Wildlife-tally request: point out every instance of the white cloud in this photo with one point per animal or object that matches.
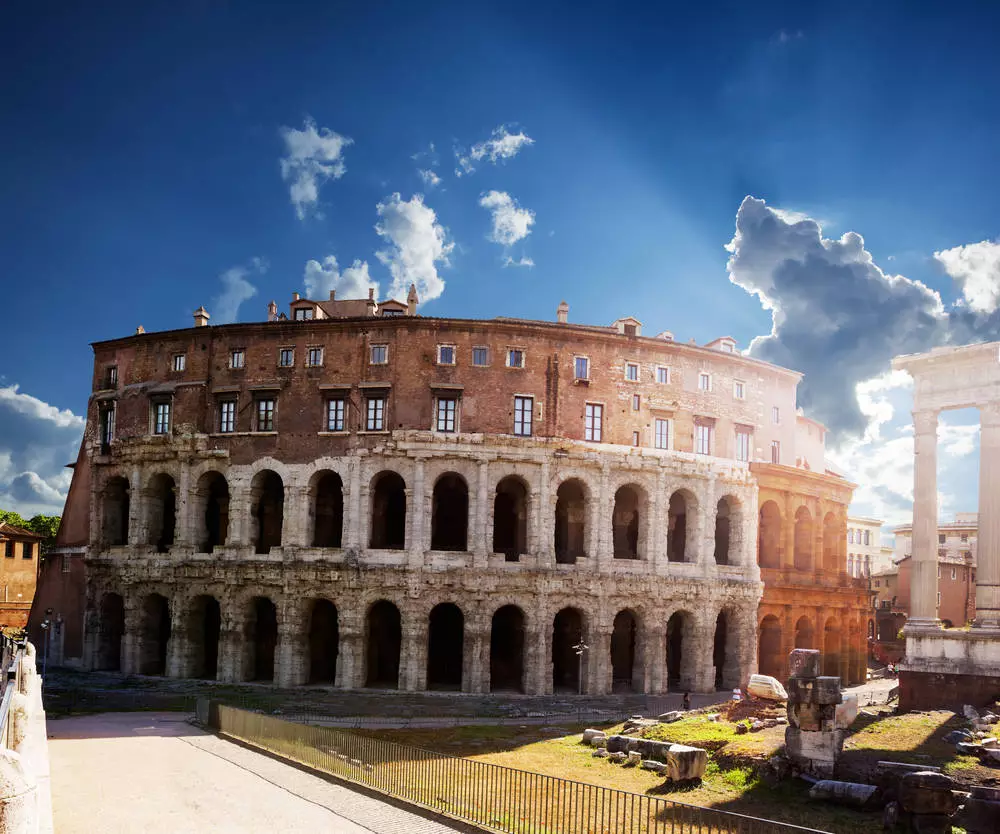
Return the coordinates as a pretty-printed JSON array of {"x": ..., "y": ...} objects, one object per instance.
[
  {"x": 235, "y": 290},
  {"x": 323, "y": 276},
  {"x": 429, "y": 177},
  {"x": 33, "y": 408},
  {"x": 524, "y": 260},
  {"x": 501, "y": 146},
  {"x": 418, "y": 245},
  {"x": 311, "y": 158},
  {"x": 511, "y": 223},
  {"x": 976, "y": 267}
]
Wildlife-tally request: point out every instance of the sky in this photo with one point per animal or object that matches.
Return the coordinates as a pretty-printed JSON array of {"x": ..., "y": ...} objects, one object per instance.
[{"x": 816, "y": 180}]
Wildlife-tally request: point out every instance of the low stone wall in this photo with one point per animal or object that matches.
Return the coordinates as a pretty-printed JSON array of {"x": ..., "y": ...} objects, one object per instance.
[{"x": 948, "y": 668}]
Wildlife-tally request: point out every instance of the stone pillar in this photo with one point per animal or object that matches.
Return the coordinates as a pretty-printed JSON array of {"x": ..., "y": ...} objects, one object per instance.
[
  {"x": 544, "y": 521},
  {"x": 657, "y": 538},
  {"x": 923, "y": 583},
  {"x": 295, "y": 532},
  {"x": 136, "y": 506},
  {"x": 179, "y": 643},
  {"x": 232, "y": 640},
  {"x": 291, "y": 654},
  {"x": 537, "y": 667},
  {"x": 600, "y": 661},
  {"x": 600, "y": 517},
  {"x": 352, "y": 505},
  {"x": 482, "y": 542},
  {"x": 656, "y": 654},
  {"x": 238, "y": 534},
  {"x": 788, "y": 533},
  {"x": 131, "y": 642},
  {"x": 416, "y": 511},
  {"x": 988, "y": 556},
  {"x": 350, "y": 660},
  {"x": 476, "y": 649},
  {"x": 184, "y": 535},
  {"x": 413, "y": 652},
  {"x": 787, "y": 636},
  {"x": 700, "y": 671},
  {"x": 819, "y": 540}
]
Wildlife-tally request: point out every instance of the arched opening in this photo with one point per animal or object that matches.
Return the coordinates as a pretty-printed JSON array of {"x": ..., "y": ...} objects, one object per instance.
[
  {"x": 262, "y": 640},
  {"x": 831, "y": 648},
  {"x": 679, "y": 633},
  {"x": 328, "y": 509},
  {"x": 804, "y": 634},
  {"x": 161, "y": 512},
  {"x": 154, "y": 635},
  {"x": 324, "y": 642},
  {"x": 833, "y": 535},
  {"x": 507, "y": 650},
  {"x": 567, "y": 633},
  {"x": 769, "y": 538},
  {"x": 625, "y": 523},
  {"x": 450, "y": 513},
  {"x": 803, "y": 539},
  {"x": 623, "y": 646},
  {"x": 510, "y": 518},
  {"x": 724, "y": 654},
  {"x": 114, "y": 512},
  {"x": 212, "y": 503},
  {"x": 769, "y": 659},
  {"x": 571, "y": 516},
  {"x": 112, "y": 627},
  {"x": 680, "y": 507},
  {"x": 445, "y": 639},
  {"x": 267, "y": 497},
  {"x": 204, "y": 627},
  {"x": 388, "y": 518},
  {"x": 385, "y": 640},
  {"x": 722, "y": 521}
]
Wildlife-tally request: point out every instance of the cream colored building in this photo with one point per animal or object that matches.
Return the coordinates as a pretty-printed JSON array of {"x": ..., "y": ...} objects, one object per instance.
[
  {"x": 864, "y": 546},
  {"x": 956, "y": 540}
]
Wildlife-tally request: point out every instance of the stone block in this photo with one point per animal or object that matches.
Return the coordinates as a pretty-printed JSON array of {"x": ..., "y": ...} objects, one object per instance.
[
  {"x": 812, "y": 717},
  {"x": 655, "y": 766},
  {"x": 634, "y": 758},
  {"x": 590, "y": 735},
  {"x": 815, "y": 751},
  {"x": 670, "y": 717},
  {"x": 827, "y": 690},
  {"x": 617, "y": 757},
  {"x": 851, "y": 794},
  {"x": 684, "y": 762},
  {"x": 927, "y": 792},
  {"x": 800, "y": 690},
  {"x": 764, "y": 686},
  {"x": 845, "y": 712},
  {"x": 804, "y": 663},
  {"x": 980, "y": 816},
  {"x": 618, "y": 744},
  {"x": 600, "y": 753}
]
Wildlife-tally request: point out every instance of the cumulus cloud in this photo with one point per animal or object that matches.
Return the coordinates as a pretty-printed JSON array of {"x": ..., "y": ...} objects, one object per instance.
[
  {"x": 976, "y": 268},
  {"x": 235, "y": 290},
  {"x": 323, "y": 276},
  {"x": 429, "y": 177},
  {"x": 501, "y": 146},
  {"x": 311, "y": 158},
  {"x": 511, "y": 223},
  {"x": 417, "y": 245},
  {"x": 524, "y": 260}
]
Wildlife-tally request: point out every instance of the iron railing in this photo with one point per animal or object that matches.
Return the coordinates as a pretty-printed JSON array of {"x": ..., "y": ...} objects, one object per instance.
[{"x": 493, "y": 797}]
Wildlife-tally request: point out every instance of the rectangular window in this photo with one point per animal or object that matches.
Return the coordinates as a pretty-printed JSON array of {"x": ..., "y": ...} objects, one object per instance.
[
  {"x": 662, "y": 435},
  {"x": 446, "y": 354},
  {"x": 180, "y": 361},
  {"x": 523, "y": 410},
  {"x": 227, "y": 416},
  {"x": 954, "y": 573},
  {"x": 703, "y": 439},
  {"x": 304, "y": 314},
  {"x": 27, "y": 549},
  {"x": 850, "y": 537},
  {"x": 939, "y": 599},
  {"x": 632, "y": 371},
  {"x": 663, "y": 376},
  {"x": 965, "y": 537},
  {"x": 161, "y": 418},
  {"x": 480, "y": 356},
  {"x": 67, "y": 562},
  {"x": 744, "y": 439},
  {"x": 775, "y": 452},
  {"x": 375, "y": 415},
  {"x": 335, "y": 410},
  {"x": 265, "y": 414},
  {"x": 940, "y": 538},
  {"x": 636, "y": 402},
  {"x": 314, "y": 358},
  {"x": 237, "y": 358},
  {"x": 379, "y": 354},
  {"x": 581, "y": 368},
  {"x": 111, "y": 376},
  {"x": 108, "y": 424},
  {"x": 635, "y": 438},
  {"x": 286, "y": 357},
  {"x": 515, "y": 358},
  {"x": 704, "y": 382},
  {"x": 739, "y": 390},
  {"x": 868, "y": 537},
  {"x": 593, "y": 422},
  {"x": 775, "y": 415},
  {"x": 9, "y": 548},
  {"x": 446, "y": 414}
]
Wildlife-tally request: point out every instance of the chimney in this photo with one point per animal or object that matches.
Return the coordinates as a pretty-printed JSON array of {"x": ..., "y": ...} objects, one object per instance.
[
  {"x": 412, "y": 301},
  {"x": 272, "y": 311},
  {"x": 333, "y": 295},
  {"x": 562, "y": 312},
  {"x": 201, "y": 317},
  {"x": 372, "y": 306},
  {"x": 140, "y": 330},
  {"x": 295, "y": 296}
]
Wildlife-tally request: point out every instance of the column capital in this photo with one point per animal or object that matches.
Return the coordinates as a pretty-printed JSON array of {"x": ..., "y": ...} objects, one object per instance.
[{"x": 925, "y": 421}]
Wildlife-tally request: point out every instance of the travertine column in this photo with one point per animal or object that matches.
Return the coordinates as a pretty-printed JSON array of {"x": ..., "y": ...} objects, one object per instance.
[
  {"x": 988, "y": 556},
  {"x": 656, "y": 655},
  {"x": 788, "y": 533},
  {"x": 923, "y": 587},
  {"x": 354, "y": 526},
  {"x": 543, "y": 521},
  {"x": 350, "y": 661},
  {"x": 477, "y": 645},
  {"x": 416, "y": 506},
  {"x": 184, "y": 534},
  {"x": 657, "y": 539},
  {"x": 601, "y": 519},
  {"x": 136, "y": 509},
  {"x": 482, "y": 540},
  {"x": 296, "y": 532},
  {"x": 413, "y": 653}
]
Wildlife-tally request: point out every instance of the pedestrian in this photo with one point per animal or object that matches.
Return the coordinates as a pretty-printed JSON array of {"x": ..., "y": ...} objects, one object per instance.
[{"x": 687, "y": 701}]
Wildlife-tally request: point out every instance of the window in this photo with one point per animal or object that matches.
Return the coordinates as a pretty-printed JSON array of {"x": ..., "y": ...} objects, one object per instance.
[
  {"x": 375, "y": 415},
  {"x": 636, "y": 402},
  {"x": 227, "y": 416},
  {"x": 9, "y": 548},
  {"x": 703, "y": 439},
  {"x": 704, "y": 382},
  {"x": 237, "y": 358},
  {"x": 111, "y": 376},
  {"x": 480, "y": 356},
  {"x": 161, "y": 417},
  {"x": 727, "y": 347},
  {"x": 515, "y": 358},
  {"x": 939, "y": 598},
  {"x": 523, "y": 409},
  {"x": 775, "y": 451},
  {"x": 446, "y": 354},
  {"x": 954, "y": 574},
  {"x": 286, "y": 357},
  {"x": 632, "y": 371},
  {"x": 379, "y": 355},
  {"x": 661, "y": 438},
  {"x": 939, "y": 571},
  {"x": 850, "y": 536},
  {"x": 663, "y": 376},
  {"x": 581, "y": 368},
  {"x": 27, "y": 549},
  {"x": 265, "y": 414},
  {"x": 743, "y": 441},
  {"x": 335, "y": 410},
  {"x": 850, "y": 566},
  {"x": 965, "y": 537},
  {"x": 592, "y": 423},
  {"x": 108, "y": 424},
  {"x": 940, "y": 538},
  {"x": 391, "y": 313},
  {"x": 446, "y": 407},
  {"x": 180, "y": 361},
  {"x": 635, "y": 438},
  {"x": 304, "y": 314},
  {"x": 739, "y": 390},
  {"x": 775, "y": 415},
  {"x": 867, "y": 537},
  {"x": 314, "y": 358},
  {"x": 67, "y": 562}
]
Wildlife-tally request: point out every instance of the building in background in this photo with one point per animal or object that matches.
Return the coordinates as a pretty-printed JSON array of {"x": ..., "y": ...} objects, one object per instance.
[
  {"x": 865, "y": 554},
  {"x": 954, "y": 538},
  {"x": 20, "y": 551}
]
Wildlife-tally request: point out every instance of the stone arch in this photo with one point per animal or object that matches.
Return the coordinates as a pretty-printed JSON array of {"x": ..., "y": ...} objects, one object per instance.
[
  {"x": 112, "y": 629},
  {"x": 267, "y": 502},
  {"x": 769, "y": 657},
  {"x": 384, "y": 641},
  {"x": 507, "y": 637},
  {"x": 154, "y": 635},
  {"x": 832, "y": 538},
  {"x": 769, "y": 536},
  {"x": 831, "y": 647},
  {"x": 204, "y": 626},
  {"x": 211, "y": 510},
  {"x": 260, "y": 639},
  {"x": 682, "y": 513},
  {"x": 161, "y": 511},
  {"x": 803, "y": 539},
  {"x": 445, "y": 644},
  {"x": 804, "y": 638},
  {"x": 629, "y": 522},
  {"x": 728, "y": 531},
  {"x": 570, "y": 531},
  {"x": 625, "y": 672},
  {"x": 388, "y": 511},
  {"x": 569, "y": 666},
  {"x": 324, "y": 641},
  {"x": 115, "y": 512},
  {"x": 326, "y": 504},
  {"x": 450, "y": 513},
  {"x": 510, "y": 518},
  {"x": 725, "y": 649},
  {"x": 681, "y": 651}
]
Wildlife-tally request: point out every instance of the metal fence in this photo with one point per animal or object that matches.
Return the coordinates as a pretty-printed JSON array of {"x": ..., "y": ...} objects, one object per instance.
[{"x": 496, "y": 798}]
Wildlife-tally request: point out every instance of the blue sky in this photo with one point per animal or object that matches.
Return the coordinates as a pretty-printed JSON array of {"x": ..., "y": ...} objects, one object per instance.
[{"x": 142, "y": 170}]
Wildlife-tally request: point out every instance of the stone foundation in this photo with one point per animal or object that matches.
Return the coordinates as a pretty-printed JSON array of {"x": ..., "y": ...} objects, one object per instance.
[
  {"x": 948, "y": 668},
  {"x": 938, "y": 690}
]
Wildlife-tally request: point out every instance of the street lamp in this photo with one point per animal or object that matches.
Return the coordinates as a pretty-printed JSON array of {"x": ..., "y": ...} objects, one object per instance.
[{"x": 580, "y": 648}]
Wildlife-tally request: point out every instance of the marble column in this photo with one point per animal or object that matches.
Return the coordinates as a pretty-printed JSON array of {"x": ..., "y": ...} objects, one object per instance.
[
  {"x": 923, "y": 587},
  {"x": 988, "y": 555}
]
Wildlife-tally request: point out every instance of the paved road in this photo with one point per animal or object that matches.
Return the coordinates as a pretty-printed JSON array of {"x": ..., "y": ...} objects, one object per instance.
[{"x": 153, "y": 772}]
